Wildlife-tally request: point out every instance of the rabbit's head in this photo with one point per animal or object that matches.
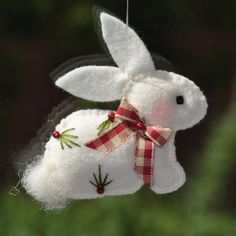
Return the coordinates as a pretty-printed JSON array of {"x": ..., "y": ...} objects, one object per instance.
[
  {"x": 167, "y": 99},
  {"x": 163, "y": 98}
]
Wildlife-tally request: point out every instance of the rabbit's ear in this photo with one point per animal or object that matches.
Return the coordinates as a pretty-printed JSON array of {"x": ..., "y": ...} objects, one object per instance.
[
  {"x": 125, "y": 46},
  {"x": 95, "y": 83}
]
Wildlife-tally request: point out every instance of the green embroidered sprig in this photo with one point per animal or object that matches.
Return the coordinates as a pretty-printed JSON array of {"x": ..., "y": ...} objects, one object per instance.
[
  {"x": 107, "y": 123},
  {"x": 104, "y": 126},
  {"x": 100, "y": 183},
  {"x": 65, "y": 138}
]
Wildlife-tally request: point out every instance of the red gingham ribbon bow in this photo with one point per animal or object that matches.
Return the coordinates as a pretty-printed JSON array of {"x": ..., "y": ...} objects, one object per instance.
[{"x": 130, "y": 124}]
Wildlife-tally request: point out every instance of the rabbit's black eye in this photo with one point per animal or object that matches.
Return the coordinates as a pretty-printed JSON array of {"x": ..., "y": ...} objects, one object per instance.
[{"x": 180, "y": 100}]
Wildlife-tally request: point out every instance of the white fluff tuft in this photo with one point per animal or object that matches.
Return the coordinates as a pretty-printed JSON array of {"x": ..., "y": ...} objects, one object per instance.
[{"x": 38, "y": 180}]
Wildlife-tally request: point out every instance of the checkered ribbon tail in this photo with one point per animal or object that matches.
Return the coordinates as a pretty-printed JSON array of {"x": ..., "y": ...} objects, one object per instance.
[{"x": 128, "y": 117}]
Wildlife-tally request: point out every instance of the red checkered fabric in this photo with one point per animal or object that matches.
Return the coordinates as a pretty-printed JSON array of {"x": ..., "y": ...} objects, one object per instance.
[
  {"x": 143, "y": 162},
  {"x": 128, "y": 112},
  {"x": 110, "y": 140},
  {"x": 128, "y": 122}
]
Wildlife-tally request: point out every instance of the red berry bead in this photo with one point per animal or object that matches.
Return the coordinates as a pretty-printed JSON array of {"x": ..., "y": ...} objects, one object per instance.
[
  {"x": 56, "y": 134},
  {"x": 140, "y": 126},
  {"x": 111, "y": 115},
  {"x": 100, "y": 190}
]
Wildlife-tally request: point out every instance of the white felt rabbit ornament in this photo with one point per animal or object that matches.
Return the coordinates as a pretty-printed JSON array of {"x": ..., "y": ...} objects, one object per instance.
[{"x": 156, "y": 103}]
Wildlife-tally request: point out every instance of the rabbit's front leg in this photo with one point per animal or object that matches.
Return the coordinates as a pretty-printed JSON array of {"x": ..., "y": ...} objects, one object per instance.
[{"x": 168, "y": 174}]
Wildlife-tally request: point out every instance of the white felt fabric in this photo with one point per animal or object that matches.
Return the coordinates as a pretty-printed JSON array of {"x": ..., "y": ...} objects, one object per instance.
[
  {"x": 96, "y": 83},
  {"x": 125, "y": 46},
  {"x": 63, "y": 175}
]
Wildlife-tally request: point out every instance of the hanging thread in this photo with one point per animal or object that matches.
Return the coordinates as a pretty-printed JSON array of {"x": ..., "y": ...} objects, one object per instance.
[{"x": 127, "y": 13}]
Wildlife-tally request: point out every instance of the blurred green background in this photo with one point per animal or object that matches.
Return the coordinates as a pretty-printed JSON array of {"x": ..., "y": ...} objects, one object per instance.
[{"x": 198, "y": 37}]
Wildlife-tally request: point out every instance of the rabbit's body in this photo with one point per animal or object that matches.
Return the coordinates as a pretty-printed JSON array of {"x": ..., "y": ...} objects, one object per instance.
[{"x": 84, "y": 161}]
